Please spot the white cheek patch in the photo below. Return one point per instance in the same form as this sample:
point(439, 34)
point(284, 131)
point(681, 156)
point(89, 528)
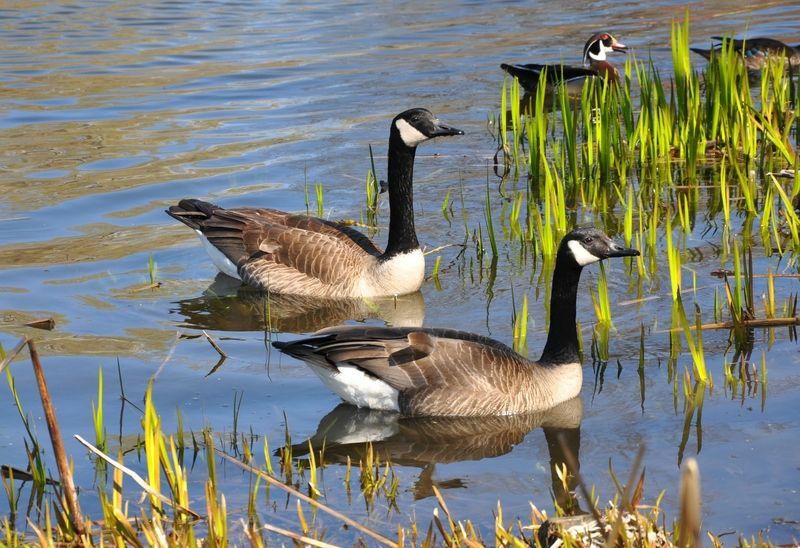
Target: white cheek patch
point(410, 135)
point(601, 55)
point(581, 254)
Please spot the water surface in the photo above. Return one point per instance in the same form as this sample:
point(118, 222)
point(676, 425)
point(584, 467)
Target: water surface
point(110, 113)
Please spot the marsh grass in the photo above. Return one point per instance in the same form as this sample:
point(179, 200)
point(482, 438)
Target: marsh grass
point(372, 188)
point(170, 514)
point(653, 159)
point(593, 153)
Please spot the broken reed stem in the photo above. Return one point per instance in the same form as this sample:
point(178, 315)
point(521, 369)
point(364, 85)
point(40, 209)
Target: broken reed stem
point(763, 322)
point(166, 358)
point(214, 345)
point(135, 477)
point(300, 539)
point(13, 353)
point(75, 517)
point(689, 496)
point(280, 485)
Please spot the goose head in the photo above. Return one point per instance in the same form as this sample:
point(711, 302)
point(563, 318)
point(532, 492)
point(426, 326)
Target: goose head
point(417, 125)
point(599, 45)
point(590, 245)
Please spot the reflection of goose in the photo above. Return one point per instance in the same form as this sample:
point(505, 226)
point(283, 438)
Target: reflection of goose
point(301, 255)
point(246, 309)
point(426, 441)
point(429, 371)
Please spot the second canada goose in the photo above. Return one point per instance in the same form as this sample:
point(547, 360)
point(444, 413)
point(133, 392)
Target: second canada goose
point(301, 255)
point(430, 371)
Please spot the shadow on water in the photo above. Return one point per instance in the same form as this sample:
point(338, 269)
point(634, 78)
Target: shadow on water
point(347, 432)
point(228, 306)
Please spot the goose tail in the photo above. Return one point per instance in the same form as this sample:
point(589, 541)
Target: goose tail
point(192, 212)
point(307, 350)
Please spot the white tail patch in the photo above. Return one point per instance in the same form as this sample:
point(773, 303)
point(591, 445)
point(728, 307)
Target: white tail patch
point(223, 264)
point(357, 388)
point(410, 135)
point(581, 254)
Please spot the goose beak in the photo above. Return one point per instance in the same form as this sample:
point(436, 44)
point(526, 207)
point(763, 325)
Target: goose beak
point(622, 48)
point(441, 130)
point(616, 250)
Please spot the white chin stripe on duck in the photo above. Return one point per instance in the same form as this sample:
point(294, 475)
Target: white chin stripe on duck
point(581, 254)
point(601, 55)
point(410, 135)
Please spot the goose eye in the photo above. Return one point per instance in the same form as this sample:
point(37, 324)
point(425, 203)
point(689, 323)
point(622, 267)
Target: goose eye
point(588, 239)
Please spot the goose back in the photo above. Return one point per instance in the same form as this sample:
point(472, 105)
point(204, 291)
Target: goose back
point(437, 371)
point(284, 252)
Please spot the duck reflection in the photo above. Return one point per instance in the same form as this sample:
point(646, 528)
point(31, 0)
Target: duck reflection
point(227, 306)
point(424, 442)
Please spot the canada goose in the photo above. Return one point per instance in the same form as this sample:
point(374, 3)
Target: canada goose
point(430, 371)
point(755, 52)
point(300, 255)
point(595, 63)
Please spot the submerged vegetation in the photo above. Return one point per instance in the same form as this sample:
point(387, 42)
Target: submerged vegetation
point(647, 159)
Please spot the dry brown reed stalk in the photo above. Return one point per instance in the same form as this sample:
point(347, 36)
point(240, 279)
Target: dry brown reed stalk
point(299, 539)
point(214, 345)
point(689, 496)
point(294, 492)
point(47, 324)
point(75, 516)
point(167, 357)
point(757, 322)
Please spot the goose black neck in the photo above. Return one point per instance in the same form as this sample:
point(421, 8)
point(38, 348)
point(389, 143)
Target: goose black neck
point(402, 236)
point(562, 338)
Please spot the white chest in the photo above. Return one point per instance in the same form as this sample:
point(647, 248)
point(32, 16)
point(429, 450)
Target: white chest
point(566, 381)
point(399, 275)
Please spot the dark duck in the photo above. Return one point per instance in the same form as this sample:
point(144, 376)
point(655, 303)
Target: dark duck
point(755, 52)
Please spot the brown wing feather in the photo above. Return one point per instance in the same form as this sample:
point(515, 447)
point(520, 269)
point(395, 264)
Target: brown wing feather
point(271, 247)
point(437, 371)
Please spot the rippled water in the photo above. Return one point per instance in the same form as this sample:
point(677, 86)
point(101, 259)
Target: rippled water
point(111, 112)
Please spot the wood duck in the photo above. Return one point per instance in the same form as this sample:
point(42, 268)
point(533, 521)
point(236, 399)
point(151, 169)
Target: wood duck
point(756, 51)
point(594, 60)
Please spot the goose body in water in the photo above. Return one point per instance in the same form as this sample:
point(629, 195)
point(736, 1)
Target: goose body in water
point(431, 371)
point(300, 255)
